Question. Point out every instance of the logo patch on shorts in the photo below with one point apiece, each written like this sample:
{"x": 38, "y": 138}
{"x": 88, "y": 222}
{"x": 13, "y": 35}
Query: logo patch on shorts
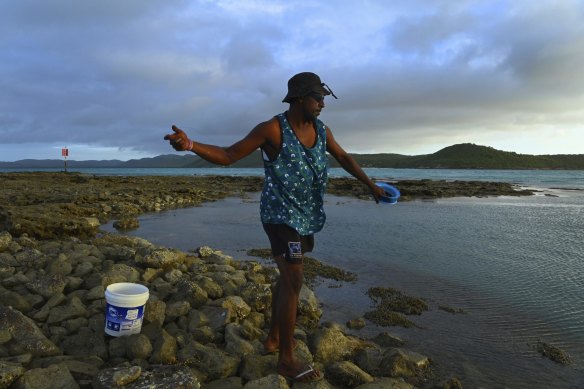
{"x": 294, "y": 250}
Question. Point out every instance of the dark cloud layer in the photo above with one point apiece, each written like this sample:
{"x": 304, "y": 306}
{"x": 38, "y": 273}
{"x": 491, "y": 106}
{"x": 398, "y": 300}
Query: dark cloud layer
{"x": 110, "y": 77}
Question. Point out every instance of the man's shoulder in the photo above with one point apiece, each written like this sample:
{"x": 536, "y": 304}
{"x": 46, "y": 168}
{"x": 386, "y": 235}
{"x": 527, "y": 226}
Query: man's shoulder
{"x": 270, "y": 124}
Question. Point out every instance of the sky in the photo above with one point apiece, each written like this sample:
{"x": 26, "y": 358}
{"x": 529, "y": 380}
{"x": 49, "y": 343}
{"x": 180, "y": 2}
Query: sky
{"x": 107, "y": 79}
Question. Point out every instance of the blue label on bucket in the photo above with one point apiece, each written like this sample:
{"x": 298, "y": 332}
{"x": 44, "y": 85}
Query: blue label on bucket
{"x": 123, "y": 319}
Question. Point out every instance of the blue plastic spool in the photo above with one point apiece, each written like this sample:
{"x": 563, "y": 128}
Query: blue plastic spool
{"x": 392, "y": 193}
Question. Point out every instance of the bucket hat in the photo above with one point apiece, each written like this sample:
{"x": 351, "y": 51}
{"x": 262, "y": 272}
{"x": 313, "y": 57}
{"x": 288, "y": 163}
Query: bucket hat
{"x": 304, "y": 83}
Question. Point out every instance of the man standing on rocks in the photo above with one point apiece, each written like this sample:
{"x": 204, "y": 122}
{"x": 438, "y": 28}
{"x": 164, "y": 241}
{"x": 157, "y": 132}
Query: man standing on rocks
{"x": 294, "y": 146}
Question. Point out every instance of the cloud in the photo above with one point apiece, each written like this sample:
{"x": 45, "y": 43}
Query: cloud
{"x": 410, "y": 76}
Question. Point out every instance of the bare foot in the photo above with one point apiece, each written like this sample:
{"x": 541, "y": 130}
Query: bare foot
{"x": 271, "y": 346}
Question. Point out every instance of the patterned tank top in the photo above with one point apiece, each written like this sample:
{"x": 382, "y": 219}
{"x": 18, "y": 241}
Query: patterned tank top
{"x": 295, "y": 182}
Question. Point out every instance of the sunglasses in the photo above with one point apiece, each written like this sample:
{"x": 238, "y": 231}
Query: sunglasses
{"x": 318, "y": 97}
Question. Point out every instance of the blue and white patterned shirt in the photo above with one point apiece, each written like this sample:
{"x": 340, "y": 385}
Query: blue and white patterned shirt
{"x": 295, "y": 182}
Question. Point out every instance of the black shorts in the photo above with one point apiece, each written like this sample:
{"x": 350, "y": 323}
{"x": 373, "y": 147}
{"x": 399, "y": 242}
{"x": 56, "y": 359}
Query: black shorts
{"x": 287, "y": 242}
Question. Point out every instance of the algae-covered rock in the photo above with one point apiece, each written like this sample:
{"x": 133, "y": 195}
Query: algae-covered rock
{"x": 54, "y": 376}
{"x": 25, "y": 336}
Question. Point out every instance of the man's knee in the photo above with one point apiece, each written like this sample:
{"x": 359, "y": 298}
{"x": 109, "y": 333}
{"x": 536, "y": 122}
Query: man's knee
{"x": 291, "y": 276}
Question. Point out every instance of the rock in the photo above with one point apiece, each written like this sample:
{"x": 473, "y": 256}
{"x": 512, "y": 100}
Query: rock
{"x": 356, "y": 324}
{"x": 55, "y": 376}
{"x": 173, "y": 276}
{"x": 120, "y": 273}
{"x": 9, "y": 373}
{"x": 309, "y": 312}
{"x": 206, "y": 334}
{"x": 197, "y": 319}
{"x": 157, "y": 377}
{"x": 83, "y": 269}
{"x": 225, "y": 383}
{"x": 117, "y": 347}
{"x": 161, "y": 258}
{"x": 177, "y": 309}
{"x": 26, "y": 337}
{"x": 385, "y": 339}
{"x": 155, "y": 312}
{"x": 126, "y": 224}
{"x": 402, "y": 363}
{"x": 204, "y": 251}
{"x": 217, "y": 317}
{"x": 330, "y": 344}
{"x": 74, "y": 309}
{"x": 165, "y": 349}
{"x": 85, "y": 343}
{"x": 274, "y": 381}
{"x": 60, "y": 266}
{"x": 124, "y": 376}
{"x": 235, "y": 344}
{"x": 369, "y": 359}
{"x": 189, "y": 291}
{"x": 386, "y": 383}
{"x": 213, "y": 289}
{"x": 95, "y": 293}
{"x": 48, "y": 285}
{"x": 347, "y": 375}
{"x": 212, "y": 361}
{"x": 5, "y": 336}
{"x": 256, "y": 366}
{"x": 138, "y": 346}
{"x": 237, "y": 309}
{"x": 257, "y": 296}
{"x": 15, "y": 300}
{"x": 5, "y": 239}
{"x": 44, "y": 312}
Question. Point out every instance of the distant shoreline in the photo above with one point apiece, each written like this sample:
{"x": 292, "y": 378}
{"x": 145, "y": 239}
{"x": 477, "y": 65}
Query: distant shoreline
{"x": 460, "y": 156}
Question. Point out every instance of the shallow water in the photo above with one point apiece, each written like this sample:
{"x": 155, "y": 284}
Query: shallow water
{"x": 514, "y": 265}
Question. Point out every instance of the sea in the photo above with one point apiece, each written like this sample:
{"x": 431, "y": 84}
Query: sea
{"x": 513, "y": 267}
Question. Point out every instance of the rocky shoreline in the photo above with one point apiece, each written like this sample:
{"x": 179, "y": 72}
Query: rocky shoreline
{"x": 207, "y": 312}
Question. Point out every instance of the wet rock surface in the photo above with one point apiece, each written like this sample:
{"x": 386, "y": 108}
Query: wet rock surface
{"x": 207, "y": 314}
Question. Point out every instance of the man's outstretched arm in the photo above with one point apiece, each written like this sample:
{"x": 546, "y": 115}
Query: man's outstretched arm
{"x": 350, "y": 165}
{"x": 216, "y": 154}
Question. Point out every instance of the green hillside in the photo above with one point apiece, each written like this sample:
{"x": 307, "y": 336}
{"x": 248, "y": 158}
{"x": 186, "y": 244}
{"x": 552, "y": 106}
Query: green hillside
{"x": 461, "y": 156}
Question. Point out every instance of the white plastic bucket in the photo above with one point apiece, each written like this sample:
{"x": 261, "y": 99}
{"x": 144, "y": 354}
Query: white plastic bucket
{"x": 124, "y": 308}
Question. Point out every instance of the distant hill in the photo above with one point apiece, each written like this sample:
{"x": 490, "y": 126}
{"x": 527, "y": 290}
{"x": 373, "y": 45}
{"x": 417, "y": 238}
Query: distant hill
{"x": 460, "y": 156}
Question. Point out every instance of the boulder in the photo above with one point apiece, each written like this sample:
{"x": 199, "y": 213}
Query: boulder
{"x": 236, "y": 307}
{"x": 234, "y": 342}
{"x": 347, "y": 375}
{"x": 160, "y": 258}
{"x": 256, "y": 366}
{"x": 165, "y": 349}
{"x": 212, "y": 361}
{"x": 5, "y": 240}
{"x": 9, "y": 373}
{"x": 48, "y": 285}
{"x": 25, "y": 336}
{"x": 309, "y": 312}
{"x": 138, "y": 346}
{"x": 156, "y": 377}
{"x": 74, "y": 309}
{"x": 330, "y": 344}
{"x": 257, "y": 296}
{"x": 274, "y": 381}
{"x": 190, "y": 291}
{"x": 402, "y": 363}
{"x": 120, "y": 272}
{"x": 54, "y": 376}
{"x": 386, "y": 383}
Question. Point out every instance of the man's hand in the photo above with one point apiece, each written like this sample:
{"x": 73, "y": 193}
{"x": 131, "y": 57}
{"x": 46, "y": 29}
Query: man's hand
{"x": 377, "y": 192}
{"x": 179, "y": 140}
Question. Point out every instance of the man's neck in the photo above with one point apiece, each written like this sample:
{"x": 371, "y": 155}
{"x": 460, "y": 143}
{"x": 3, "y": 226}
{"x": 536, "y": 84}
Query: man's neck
{"x": 297, "y": 118}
